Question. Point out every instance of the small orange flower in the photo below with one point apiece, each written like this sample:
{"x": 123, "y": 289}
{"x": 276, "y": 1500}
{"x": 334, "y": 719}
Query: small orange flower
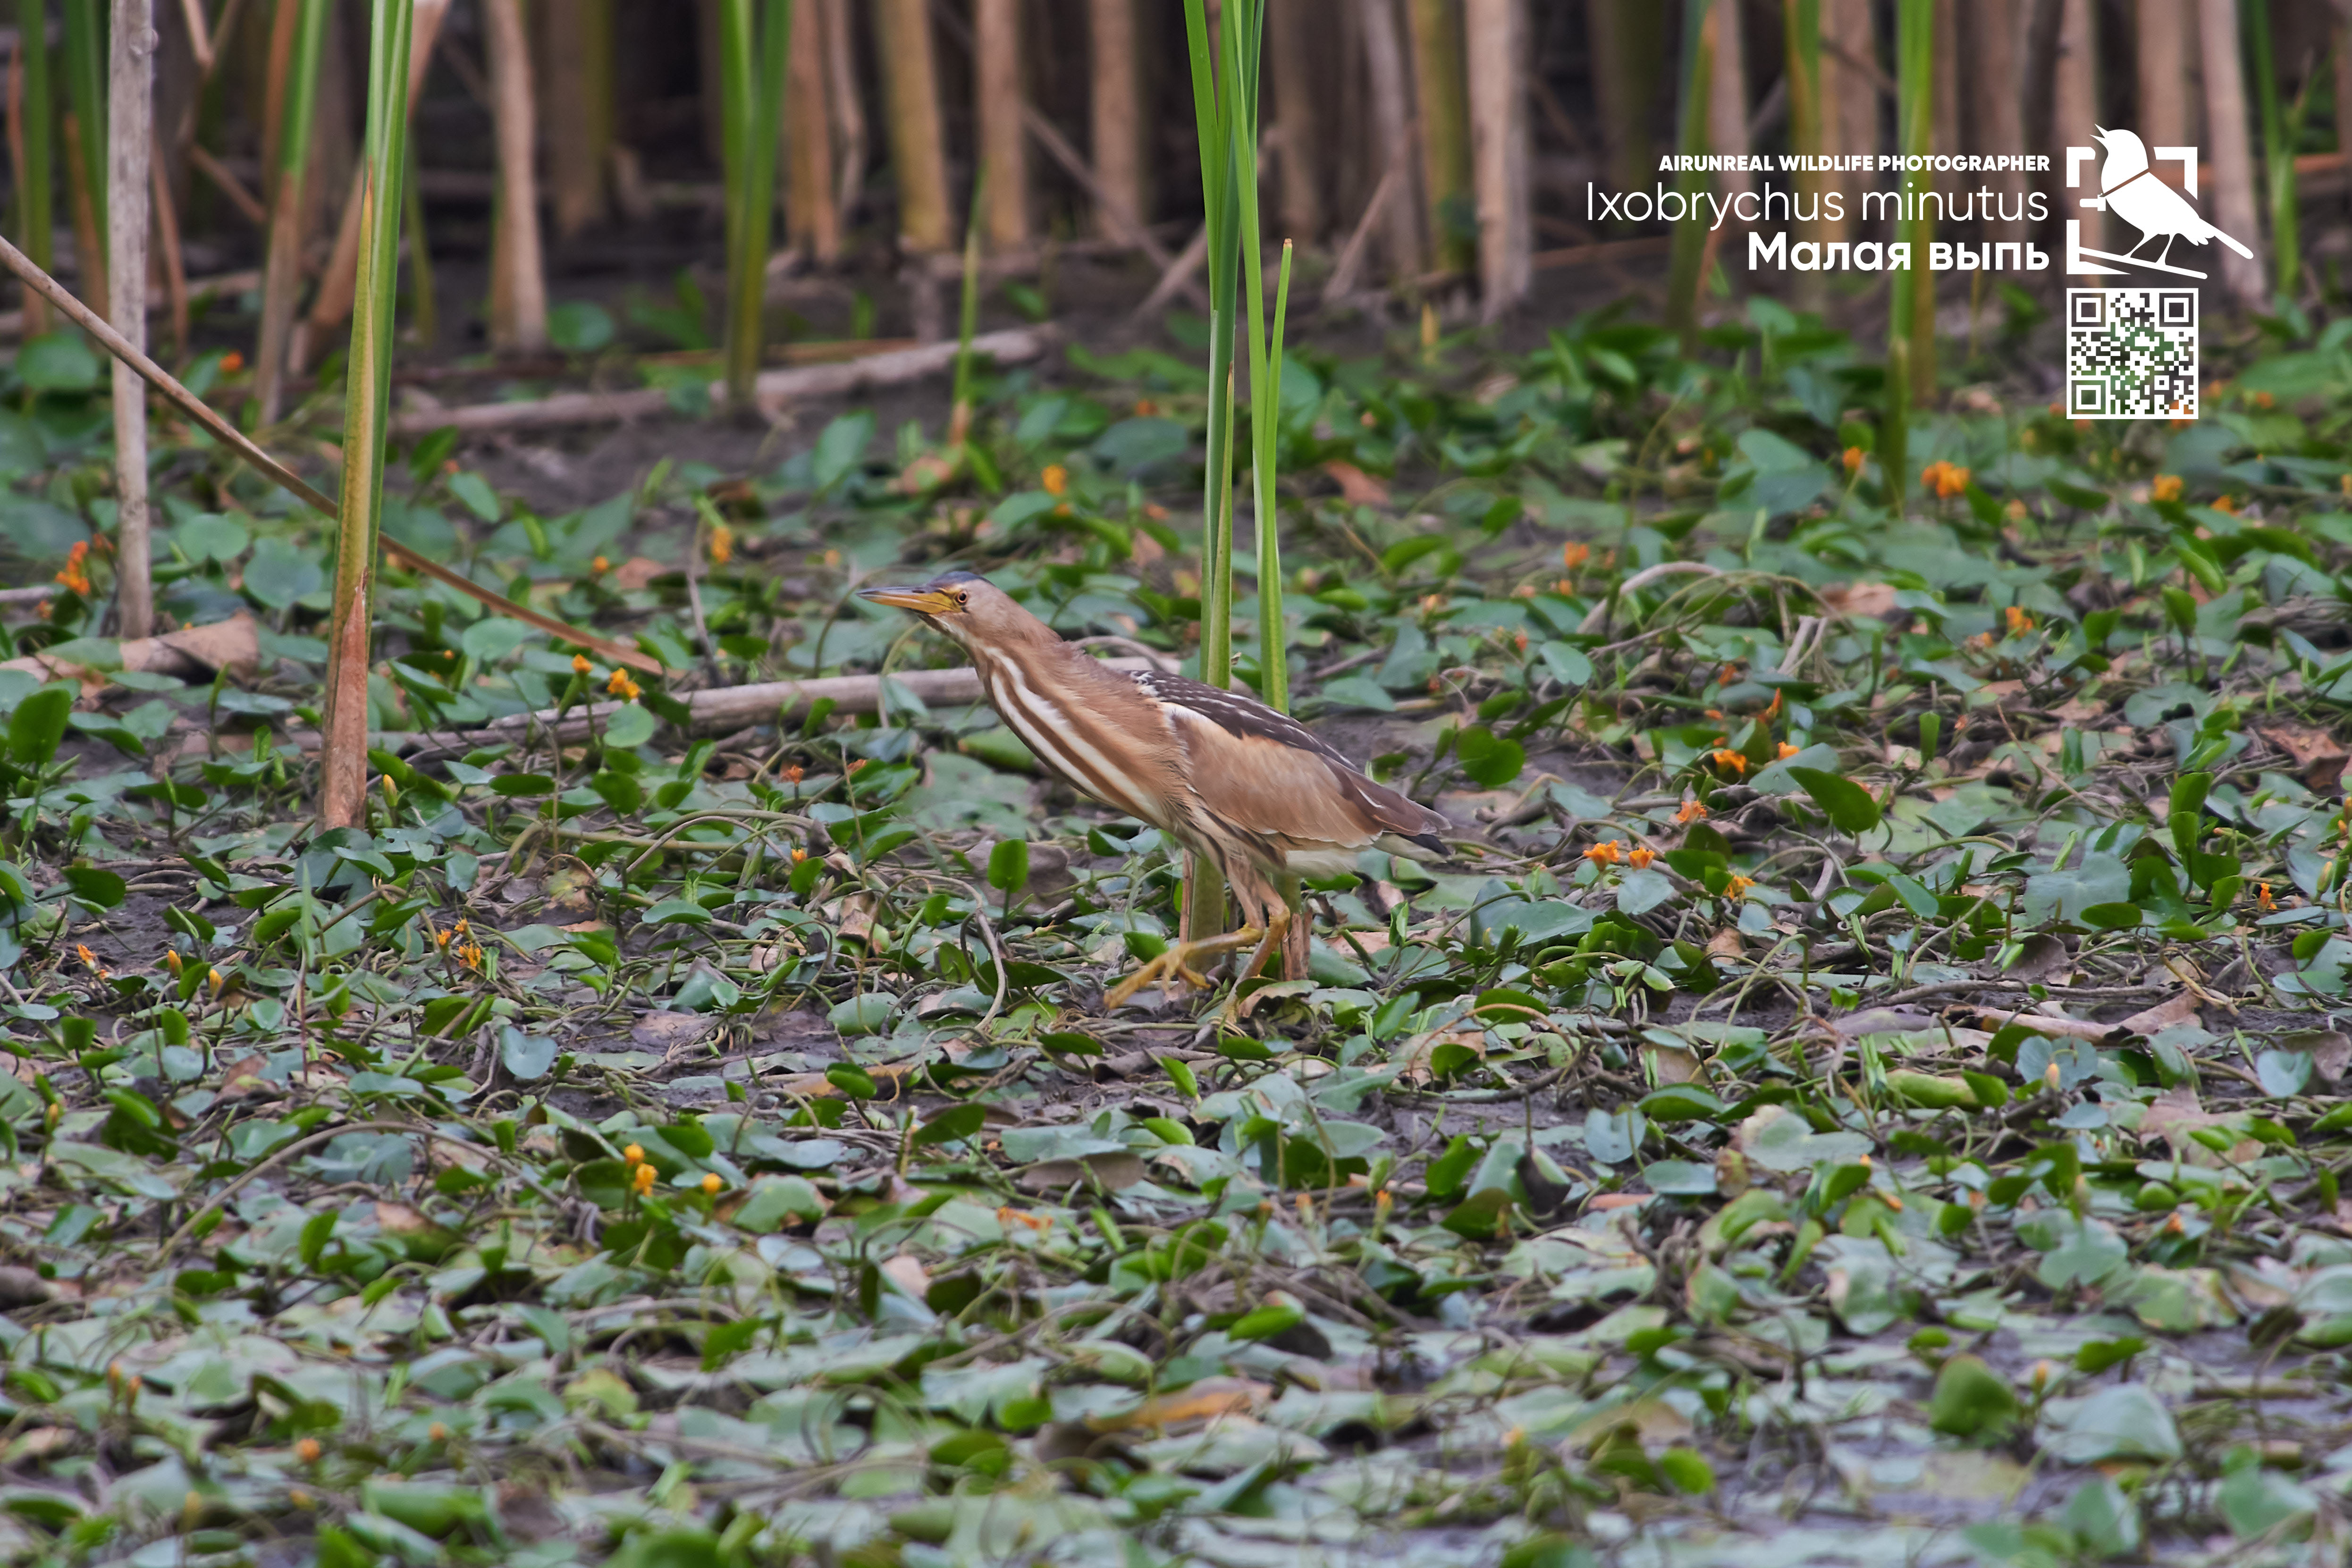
{"x": 1640, "y": 856}
{"x": 1725, "y": 757}
{"x": 579, "y": 665}
{"x": 722, "y": 544}
{"x": 1726, "y": 675}
{"x": 622, "y": 687}
{"x": 1788, "y": 749}
{"x": 1034, "y": 1222}
{"x": 642, "y": 1179}
{"x": 1575, "y": 554}
{"x": 75, "y": 574}
{"x": 600, "y": 566}
{"x": 2227, "y": 504}
{"x": 89, "y": 959}
{"x": 2263, "y": 900}
{"x": 799, "y": 856}
{"x": 1604, "y": 853}
{"x": 794, "y": 774}
{"x": 1055, "y": 479}
{"x": 231, "y": 362}
{"x": 1946, "y": 479}
{"x": 634, "y": 1153}
{"x": 436, "y": 1432}
{"x": 711, "y": 1184}
{"x": 2020, "y": 623}
{"x": 308, "y": 1450}
{"x": 2166, "y": 486}
{"x": 1854, "y": 460}
{"x": 1693, "y": 810}
{"x": 1736, "y": 886}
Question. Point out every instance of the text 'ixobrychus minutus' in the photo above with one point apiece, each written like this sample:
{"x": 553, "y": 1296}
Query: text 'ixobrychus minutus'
{"x": 1257, "y": 796}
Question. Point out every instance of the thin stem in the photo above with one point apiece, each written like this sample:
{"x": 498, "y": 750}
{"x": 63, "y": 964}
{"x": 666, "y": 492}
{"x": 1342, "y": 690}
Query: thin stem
{"x": 32, "y": 118}
{"x": 366, "y": 420}
{"x": 281, "y": 280}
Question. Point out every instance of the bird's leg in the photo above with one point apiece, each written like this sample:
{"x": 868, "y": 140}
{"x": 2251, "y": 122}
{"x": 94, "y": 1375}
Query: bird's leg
{"x": 1181, "y": 961}
{"x": 1298, "y": 940}
{"x": 1277, "y": 927}
{"x": 2164, "y": 254}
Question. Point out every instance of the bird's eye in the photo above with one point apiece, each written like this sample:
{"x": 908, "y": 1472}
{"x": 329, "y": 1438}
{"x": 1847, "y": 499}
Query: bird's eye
{"x": 964, "y": 601}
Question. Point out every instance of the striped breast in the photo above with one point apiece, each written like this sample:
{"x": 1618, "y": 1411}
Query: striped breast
{"x": 1085, "y": 751}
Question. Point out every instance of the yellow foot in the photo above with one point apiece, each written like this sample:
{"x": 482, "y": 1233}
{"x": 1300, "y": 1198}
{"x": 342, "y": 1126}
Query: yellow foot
{"x": 1238, "y": 1006}
{"x": 1180, "y": 962}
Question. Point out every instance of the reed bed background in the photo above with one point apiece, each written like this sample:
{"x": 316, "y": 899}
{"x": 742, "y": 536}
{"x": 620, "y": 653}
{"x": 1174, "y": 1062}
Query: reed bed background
{"x": 321, "y": 187}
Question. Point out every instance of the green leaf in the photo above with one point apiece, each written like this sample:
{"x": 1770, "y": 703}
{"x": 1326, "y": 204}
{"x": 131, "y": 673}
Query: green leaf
{"x": 2183, "y": 814}
{"x": 1971, "y": 1401}
{"x": 37, "y": 725}
{"x": 96, "y": 887}
{"x": 1489, "y": 759}
{"x": 952, "y": 1125}
{"x": 1008, "y": 867}
{"x": 525, "y": 1056}
{"x": 851, "y": 1080}
{"x": 1849, "y": 805}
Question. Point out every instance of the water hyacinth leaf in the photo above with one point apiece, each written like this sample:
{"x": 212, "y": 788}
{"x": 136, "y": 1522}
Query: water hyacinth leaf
{"x": 1849, "y": 805}
{"x": 526, "y": 1055}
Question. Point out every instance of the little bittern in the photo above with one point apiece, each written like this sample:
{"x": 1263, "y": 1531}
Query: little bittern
{"x": 1258, "y": 796}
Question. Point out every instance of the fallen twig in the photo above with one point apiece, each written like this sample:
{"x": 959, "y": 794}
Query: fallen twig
{"x": 564, "y": 409}
{"x": 733, "y": 707}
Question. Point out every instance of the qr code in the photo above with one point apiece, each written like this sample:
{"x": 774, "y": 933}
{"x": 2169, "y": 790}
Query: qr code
{"x": 2131, "y": 353}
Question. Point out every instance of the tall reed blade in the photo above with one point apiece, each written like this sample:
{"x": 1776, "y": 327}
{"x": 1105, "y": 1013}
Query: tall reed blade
{"x": 1913, "y": 293}
{"x": 281, "y": 274}
{"x": 1265, "y": 435}
{"x": 2278, "y": 149}
{"x": 85, "y": 139}
{"x": 1224, "y": 111}
{"x": 31, "y": 120}
{"x": 366, "y": 420}
{"x": 756, "y": 41}
{"x": 968, "y": 315}
{"x": 1686, "y": 260}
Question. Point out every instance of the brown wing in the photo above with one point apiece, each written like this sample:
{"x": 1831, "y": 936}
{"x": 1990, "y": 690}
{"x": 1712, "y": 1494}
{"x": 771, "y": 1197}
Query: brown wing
{"x": 1269, "y": 774}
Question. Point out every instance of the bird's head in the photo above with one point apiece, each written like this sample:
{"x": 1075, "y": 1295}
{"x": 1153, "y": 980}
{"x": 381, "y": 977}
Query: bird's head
{"x": 2124, "y": 147}
{"x": 963, "y": 606}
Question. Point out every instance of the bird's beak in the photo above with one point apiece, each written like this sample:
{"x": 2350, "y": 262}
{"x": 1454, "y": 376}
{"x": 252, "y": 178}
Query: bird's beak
{"x": 2100, "y": 136}
{"x": 922, "y": 601}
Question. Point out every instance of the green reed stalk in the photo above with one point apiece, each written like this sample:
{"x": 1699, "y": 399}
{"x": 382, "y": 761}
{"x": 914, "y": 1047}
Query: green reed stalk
{"x": 366, "y": 418}
{"x": 1689, "y": 253}
{"x": 1226, "y": 113}
{"x": 35, "y": 121}
{"x": 84, "y": 68}
{"x": 2278, "y": 148}
{"x": 968, "y": 314}
{"x": 756, "y": 56}
{"x": 281, "y": 277}
{"x": 1911, "y": 322}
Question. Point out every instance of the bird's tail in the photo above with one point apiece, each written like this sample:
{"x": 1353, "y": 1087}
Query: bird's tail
{"x": 2231, "y": 243}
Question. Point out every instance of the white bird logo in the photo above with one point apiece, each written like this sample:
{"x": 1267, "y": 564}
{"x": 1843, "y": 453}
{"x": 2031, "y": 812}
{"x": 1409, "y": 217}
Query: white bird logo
{"x": 2129, "y": 187}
